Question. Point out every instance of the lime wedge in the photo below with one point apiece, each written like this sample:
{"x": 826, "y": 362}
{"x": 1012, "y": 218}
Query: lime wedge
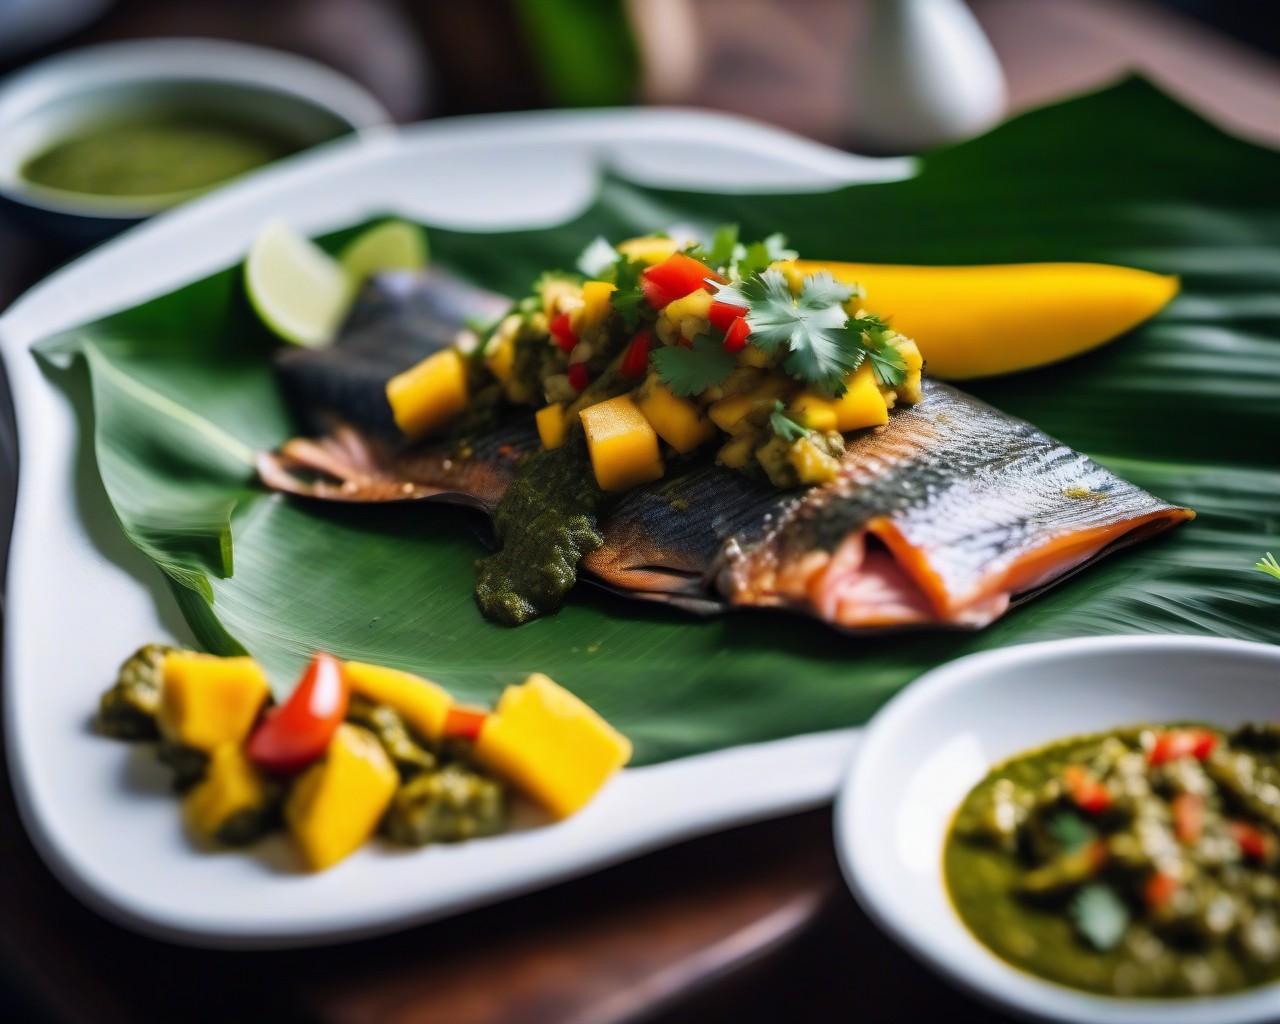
{"x": 392, "y": 245}
{"x": 300, "y": 291}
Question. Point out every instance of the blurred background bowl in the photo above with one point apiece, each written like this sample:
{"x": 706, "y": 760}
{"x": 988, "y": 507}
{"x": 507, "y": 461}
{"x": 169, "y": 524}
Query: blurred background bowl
{"x": 279, "y": 95}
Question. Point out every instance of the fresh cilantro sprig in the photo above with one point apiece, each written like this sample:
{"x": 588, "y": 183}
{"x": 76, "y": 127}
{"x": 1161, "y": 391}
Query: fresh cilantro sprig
{"x": 690, "y": 371}
{"x": 784, "y": 426}
{"x": 1269, "y": 565}
{"x": 624, "y": 275}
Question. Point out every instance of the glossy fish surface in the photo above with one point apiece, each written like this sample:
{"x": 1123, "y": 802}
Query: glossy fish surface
{"x": 944, "y": 517}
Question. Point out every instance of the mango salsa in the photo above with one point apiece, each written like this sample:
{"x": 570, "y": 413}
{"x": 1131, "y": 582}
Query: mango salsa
{"x": 595, "y": 303}
{"x": 422, "y": 704}
{"x": 550, "y": 744}
{"x": 206, "y": 701}
{"x": 337, "y": 803}
{"x": 862, "y": 404}
{"x": 427, "y": 396}
{"x": 623, "y": 445}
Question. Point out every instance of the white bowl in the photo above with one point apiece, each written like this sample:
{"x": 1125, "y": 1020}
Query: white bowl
{"x": 295, "y": 98}
{"x": 929, "y": 746}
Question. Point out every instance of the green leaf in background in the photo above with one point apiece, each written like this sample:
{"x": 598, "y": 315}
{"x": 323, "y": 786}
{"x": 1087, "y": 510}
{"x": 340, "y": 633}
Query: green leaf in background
{"x": 584, "y": 49}
{"x": 1186, "y": 406}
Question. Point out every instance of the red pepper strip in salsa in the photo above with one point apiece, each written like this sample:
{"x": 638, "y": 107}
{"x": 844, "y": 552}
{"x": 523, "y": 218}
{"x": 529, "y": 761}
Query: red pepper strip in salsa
{"x": 464, "y": 723}
{"x": 562, "y": 331}
{"x": 636, "y": 360}
{"x": 579, "y": 378}
{"x": 1085, "y": 791}
{"x": 735, "y": 339}
{"x": 1174, "y": 743}
{"x": 723, "y": 314}
{"x": 674, "y": 278}
{"x": 298, "y": 732}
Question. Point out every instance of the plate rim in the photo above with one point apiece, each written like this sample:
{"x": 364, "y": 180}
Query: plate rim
{"x": 71, "y": 296}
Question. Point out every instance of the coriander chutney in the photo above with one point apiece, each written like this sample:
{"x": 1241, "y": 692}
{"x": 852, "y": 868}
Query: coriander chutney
{"x": 167, "y": 153}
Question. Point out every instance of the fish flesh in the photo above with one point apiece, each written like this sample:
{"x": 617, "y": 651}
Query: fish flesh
{"x": 945, "y": 517}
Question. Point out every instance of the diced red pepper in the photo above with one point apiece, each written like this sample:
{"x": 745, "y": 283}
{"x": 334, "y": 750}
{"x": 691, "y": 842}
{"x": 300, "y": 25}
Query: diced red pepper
{"x": 1253, "y": 842}
{"x": 1188, "y": 817}
{"x": 298, "y": 732}
{"x": 635, "y": 362}
{"x": 674, "y": 278}
{"x": 1085, "y": 791}
{"x": 723, "y": 314}
{"x": 1159, "y": 890}
{"x": 579, "y": 378}
{"x": 1172, "y": 744}
{"x": 464, "y": 723}
{"x": 735, "y": 339}
{"x": 562, "y": 331}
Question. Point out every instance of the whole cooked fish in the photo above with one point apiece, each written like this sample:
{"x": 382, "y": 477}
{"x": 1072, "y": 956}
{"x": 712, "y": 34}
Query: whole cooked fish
{"x": 946, "y": 516}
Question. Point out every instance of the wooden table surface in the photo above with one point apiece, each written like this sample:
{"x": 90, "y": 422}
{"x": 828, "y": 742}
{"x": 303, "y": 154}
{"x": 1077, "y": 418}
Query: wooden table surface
{"x": 750, "y": 924}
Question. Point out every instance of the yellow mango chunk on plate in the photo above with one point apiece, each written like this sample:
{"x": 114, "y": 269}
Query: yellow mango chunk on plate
{"x": 678, "y": 421}
{"x": 551, "y": 745}
{"x": 623, "y": 446}
{"x": 427, "y": 396}
{"x": 552, "y": 425}
{"x": 232, "y": 787}
{"x": 336, "y": 804}
{"x": 206, "y": 701}
{"x": 984, "y": 321}
{"x": 422, "y": 704}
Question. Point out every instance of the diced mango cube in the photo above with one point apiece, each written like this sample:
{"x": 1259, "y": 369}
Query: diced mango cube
{"x": 678, "y": 421}
{"x": 862, "y": 404}
{"x": 337, "y": 803}
{"x": 648, "y": 249}
{"x": 737, "y": 453}
{"x": 623, "y": 446}
{"x": 500, "y": 353}
{"x": 551, "y": 745}
{"x": 909, "y": 390}
{"x": 552, "y": 425}
{"x": 232, "y": 801}
{"x": 427, "y": 396}
{"x": 812, "y": 464}
{"x": 206, "y": 701}
{"x": 815, "y": 411}
{"x": 595, "y": 303}
{"x": 422, "y": 704}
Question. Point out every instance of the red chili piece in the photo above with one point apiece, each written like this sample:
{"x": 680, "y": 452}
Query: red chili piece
{"x": 1086, "y": 791}
{"x": 636, "y": 360}
{"x": 298, "y": 732}
{"x": 1174, "y": 743}
{"x": 1253, "y": 842}
{"x": 464, "y": 723}
{"x": 674, "y": 278}
{"x": 1159, "y": 890}
{"x": 562, "y": 331}
{"x": 579, "y": 378}
{"x": 735, "y": 339}
{"x": 723, "y": 314}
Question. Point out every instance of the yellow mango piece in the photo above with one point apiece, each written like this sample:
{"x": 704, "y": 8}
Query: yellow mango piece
{"x": 678, "y": 421}
{"x": 206, "y": 701}
{"x": 648, "y": 248}
{"x": 427, "y": 396}
{"x": 812, "y": 410}
{"x": 812, "y": 465}
{"x": 623, "y": 446}
{"x": 551, "y": 745}
{"x": 737, "y": 453}
{"x": 862, "y": 404}
{"x": 982, "y": 321}
{"x": 595, "y": 303}
{"x": 336, "y": 804}
{"x": 232, "y": 787}
{"x": 422, "y": 704}
{"x": 500, "y": 355}
{"x": 552, "y": 425}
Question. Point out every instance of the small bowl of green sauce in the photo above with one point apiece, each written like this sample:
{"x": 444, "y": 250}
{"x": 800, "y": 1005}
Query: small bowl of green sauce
{"x": 95, "y": 140}
{"x": 1081, "y": 830}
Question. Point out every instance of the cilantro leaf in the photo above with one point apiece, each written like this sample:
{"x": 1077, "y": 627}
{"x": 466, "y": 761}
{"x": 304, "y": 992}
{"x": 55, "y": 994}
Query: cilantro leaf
{"x": 886, "y": 362}
{"x": 723, "y": 244}
{"x": 597, "y": 257}
{"x": 784, "y": 426}
{"x": 1071, "y": 832}
{"x": 1269, "y": 565}
{"x": 1100, "y": 915}
{"x": 690, "y": 371}
{"x": 628, "y": 297}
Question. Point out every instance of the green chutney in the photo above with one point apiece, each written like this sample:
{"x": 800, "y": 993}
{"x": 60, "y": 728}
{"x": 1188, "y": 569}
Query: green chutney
{"x": 155, "y": 156}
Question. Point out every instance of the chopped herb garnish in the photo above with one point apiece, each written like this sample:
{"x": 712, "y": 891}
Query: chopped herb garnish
{"x": 784, "y": 426}
{"x": 887, "y": 362}
{"x": 724, "y": 245}
{"x": 1269, "y": 565}
{"x": 690, "y": 371}
{"x": 1071, "y": 832}
{"x": 1100, "y": 915}
{"x": 628, "y": 297}
{"x": 597, "y": 257}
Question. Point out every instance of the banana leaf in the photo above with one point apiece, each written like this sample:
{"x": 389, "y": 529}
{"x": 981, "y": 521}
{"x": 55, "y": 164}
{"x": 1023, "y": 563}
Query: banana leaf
{"x": 1187, "y": 406}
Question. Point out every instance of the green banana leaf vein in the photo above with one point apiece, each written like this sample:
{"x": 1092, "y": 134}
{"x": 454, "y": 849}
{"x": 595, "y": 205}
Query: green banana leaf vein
{"x": 1187, "y": 406}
